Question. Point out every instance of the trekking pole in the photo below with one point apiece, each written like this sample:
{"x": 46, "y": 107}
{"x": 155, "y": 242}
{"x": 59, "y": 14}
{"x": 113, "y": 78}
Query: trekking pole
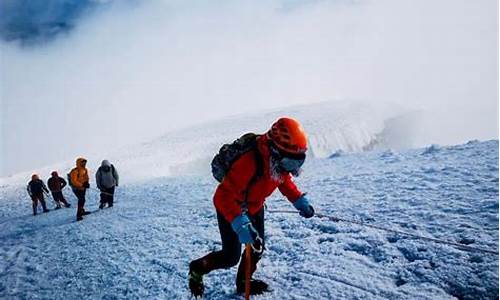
{"x": 248, "y": 264}
{"x": 413, "y": 235}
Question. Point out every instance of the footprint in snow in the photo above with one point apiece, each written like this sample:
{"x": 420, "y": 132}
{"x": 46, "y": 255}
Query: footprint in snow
{"x": 467, "y": 241}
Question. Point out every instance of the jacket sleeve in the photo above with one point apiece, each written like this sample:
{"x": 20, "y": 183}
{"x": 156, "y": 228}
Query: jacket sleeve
{"x": 28, "y": 188}
{"x": 50, "y": 183}
{"x": 115, "y": 174}
{"x": 44, "y": 187}
{"x": 230, "y": 193}
{"x": 98, "y": 178}
{"x": 63, "y": 182}
{"x": 74, "y": 179}
{"x": 86, "y": 178}
{"x": 289, "y": 189}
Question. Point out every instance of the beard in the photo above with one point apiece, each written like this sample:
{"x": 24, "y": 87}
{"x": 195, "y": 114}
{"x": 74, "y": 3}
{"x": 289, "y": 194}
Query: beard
{"x": 275, "y": 170}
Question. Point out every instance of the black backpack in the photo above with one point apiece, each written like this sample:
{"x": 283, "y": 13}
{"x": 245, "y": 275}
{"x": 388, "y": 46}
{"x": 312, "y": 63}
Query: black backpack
{"x": 229, "y": 153}
{"x": 69, "y": 179}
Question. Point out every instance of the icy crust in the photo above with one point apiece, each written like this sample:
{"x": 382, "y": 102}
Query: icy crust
{"x": 140, "y": 249}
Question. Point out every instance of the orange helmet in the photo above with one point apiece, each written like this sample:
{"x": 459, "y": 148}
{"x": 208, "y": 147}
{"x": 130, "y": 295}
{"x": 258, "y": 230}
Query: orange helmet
{"x": 288, "y": 136}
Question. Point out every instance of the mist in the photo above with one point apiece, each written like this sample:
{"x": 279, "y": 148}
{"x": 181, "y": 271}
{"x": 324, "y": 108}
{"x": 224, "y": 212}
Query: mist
{"x": 129, "y": 71}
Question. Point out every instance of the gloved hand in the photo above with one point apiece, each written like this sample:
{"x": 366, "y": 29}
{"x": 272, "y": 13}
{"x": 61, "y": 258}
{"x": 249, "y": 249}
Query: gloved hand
{"x": 86, "y": 185}
{"x": 304, "y": 207}
{"x": 244, "y": 229}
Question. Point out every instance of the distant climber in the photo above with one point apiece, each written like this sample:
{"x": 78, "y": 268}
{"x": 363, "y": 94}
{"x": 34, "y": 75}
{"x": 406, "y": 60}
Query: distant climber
{"x": 79, "y": 182}
{"x": 106, "y": 180}
{"x": 56, "y": 185}
{"x": 252, "y": 176}
{"x": 36, "y": 189}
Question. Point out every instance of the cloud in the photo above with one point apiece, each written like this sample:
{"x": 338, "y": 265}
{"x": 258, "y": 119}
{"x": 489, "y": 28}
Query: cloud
{"x": 134, "y": 70}
{"x": 37, "y": 22}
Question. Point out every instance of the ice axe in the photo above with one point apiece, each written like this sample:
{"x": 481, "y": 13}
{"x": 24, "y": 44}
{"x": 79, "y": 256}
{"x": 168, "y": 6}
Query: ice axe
{"x": 248, "y": 265}
{"x": 258, "y": 247}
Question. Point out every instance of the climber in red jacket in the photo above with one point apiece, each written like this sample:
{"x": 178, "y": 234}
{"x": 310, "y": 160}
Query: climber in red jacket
{"x": 239, "y": 201}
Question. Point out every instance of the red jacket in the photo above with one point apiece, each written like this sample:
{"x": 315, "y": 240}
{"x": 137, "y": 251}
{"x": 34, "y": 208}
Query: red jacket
{"x": 230, "y": 193}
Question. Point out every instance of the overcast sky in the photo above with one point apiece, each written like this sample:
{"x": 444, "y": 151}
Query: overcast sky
{"x": 81, "y": 77}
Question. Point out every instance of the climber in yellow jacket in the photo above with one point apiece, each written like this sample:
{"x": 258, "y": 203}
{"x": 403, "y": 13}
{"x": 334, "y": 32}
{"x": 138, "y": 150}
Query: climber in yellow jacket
{"x": 79, "y": 182}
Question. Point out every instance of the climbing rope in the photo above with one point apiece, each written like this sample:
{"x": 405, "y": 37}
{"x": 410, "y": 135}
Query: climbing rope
{"x": 361, "y": 223}
{"x": 99, "y": 191}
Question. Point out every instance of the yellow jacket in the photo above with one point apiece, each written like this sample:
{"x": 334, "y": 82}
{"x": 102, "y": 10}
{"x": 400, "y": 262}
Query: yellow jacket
{"x": 79, "y": 175}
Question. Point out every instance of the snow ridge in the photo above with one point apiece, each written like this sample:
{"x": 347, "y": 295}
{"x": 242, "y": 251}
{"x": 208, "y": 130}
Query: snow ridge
{"x": 340, "y": 126}
{"x": 331, "y": 126}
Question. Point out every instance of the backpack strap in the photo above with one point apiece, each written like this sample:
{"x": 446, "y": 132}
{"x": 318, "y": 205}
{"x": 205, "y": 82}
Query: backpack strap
{"x": 259, "y": 171}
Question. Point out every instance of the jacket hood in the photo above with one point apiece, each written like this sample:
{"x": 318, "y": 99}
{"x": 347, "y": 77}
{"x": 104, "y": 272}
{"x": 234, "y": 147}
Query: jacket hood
{"x": 105, "y": 163}
{"x": 80, "y": 161}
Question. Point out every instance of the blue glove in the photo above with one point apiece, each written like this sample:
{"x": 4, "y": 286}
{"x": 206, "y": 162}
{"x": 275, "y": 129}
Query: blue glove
{"x": 302, "y": 205}
{"x": 244, "y": 229}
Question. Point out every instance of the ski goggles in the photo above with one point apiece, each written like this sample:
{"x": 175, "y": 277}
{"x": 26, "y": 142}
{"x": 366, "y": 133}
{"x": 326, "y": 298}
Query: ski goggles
{"x": 291, "y": 164}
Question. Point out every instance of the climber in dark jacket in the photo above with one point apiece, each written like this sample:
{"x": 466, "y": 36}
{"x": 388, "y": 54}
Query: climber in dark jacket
{"x": 36, "y": 188}
{"x": 56, "y": 184}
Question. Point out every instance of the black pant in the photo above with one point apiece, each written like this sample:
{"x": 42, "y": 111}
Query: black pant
{"x": 107, "y": 196}
{"x": 38, "y": 197}
{"x": 231, "y": 249}
{"x": 59, "y": 198}
{"x": 80, "y": 194}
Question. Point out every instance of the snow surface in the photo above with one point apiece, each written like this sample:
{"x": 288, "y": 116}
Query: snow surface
{"x": 140, "y": 249}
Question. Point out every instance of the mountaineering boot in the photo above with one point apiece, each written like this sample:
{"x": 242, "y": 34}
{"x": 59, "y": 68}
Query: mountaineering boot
{"x": 257, "y": 287}
{"x": 101, "y": 206}
{"x": 79, "y": 218}
{"x": 86, "y": 212}
{"x": 196, "y": 283}
{"x": 67, "y": 205}
{"x": 57, "y": 207}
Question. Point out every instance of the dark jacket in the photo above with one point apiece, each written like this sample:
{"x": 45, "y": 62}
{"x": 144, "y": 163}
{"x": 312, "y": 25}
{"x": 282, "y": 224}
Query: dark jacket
{"x": 56, "y": 184}
{"x": 36, "y": 187}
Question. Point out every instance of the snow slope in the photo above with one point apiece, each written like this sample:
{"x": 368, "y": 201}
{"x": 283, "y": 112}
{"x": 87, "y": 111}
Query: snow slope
{"x": 349, "y": 126}
{"x": 140, "y": 249}
{"x": 331, "y": 126}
